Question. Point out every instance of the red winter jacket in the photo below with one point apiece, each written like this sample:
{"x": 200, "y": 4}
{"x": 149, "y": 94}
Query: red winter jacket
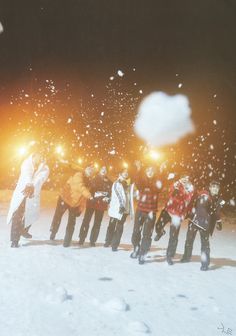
{"x": 179, "y": 200}
{"x": 148, "y": 194}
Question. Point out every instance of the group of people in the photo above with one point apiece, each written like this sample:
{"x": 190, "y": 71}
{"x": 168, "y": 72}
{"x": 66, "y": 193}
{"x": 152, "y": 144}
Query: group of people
{"x": 93, "y": 193}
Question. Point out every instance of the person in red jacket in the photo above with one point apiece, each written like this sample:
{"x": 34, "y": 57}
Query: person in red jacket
{"x": 145, "y": 216}
{"x": 101, "y": 192}
{"x": 180, "y": 196}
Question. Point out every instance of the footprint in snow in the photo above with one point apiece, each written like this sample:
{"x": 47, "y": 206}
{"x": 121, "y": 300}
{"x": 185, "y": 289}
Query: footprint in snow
{"x": 138, "y": 328}
{"x": 116, "y": 305}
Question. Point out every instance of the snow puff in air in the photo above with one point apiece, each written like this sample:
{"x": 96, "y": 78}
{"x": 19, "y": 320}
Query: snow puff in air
{"x": 1, "y": 28}
{"x": 232, "y": 202}
{"x": 176, "y": 220}
{"x": 120, "y": 73}
{"x": 163, "y": 119}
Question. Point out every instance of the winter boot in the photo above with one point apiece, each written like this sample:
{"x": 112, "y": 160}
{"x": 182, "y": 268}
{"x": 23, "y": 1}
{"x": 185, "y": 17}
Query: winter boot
{"x": 52, "y": 236}
{"x": 141, "y": 259}
{"x": 159, "y": 235}
{"x": 169, "y": 261}
{"x": 114, "y": 249}
{"x": 25, "y": 232}
{"x": 15, "y": 244}
{"x": 135, "y": 253}
{"x": 92, "y": 244}
{"x": 204, "y": 267}
{"x": 106, "y": 244}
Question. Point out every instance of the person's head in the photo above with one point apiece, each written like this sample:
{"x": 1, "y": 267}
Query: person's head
{"x": 150, "y": 172}
{"x": 89, "y": 171}
{"x": 124, "y": 174}
{"x": 103, "y": 171}
{"x": 214, "y": 188}
{"x": 185, "y": 178}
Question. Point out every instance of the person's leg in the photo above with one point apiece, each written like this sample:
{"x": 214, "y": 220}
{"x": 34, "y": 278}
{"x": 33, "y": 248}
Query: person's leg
{"x": 70, "y": 227}
{"x": 136, "y": 236}
{"x": 118, "y": 233}
{"x": 17, "y": 224}
{"x": 59, "y": 212}
{"x": 96, "y": 226}
{"x": 147, "y": 236}
{"x": 205, "y": 250}
{"x": 110, "y": 231}
{"x": 190, "y": 237}
{"x": 173, "y": 242}
{"x": 163, "y": 219}
{"x": 85, "y": 225}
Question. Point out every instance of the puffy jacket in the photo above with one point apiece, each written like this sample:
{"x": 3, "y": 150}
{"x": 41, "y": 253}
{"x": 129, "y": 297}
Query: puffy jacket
{"x": 179, "y": 200}
{"x": 76, "y": 191}
{"x": 99, "y": 185}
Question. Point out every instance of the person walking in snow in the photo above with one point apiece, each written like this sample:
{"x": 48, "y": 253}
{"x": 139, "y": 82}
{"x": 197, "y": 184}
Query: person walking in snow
{"x": 73, "y": 198}
{"x": 25, "y": 203}
{"x": 180, "y": 196}
{"x": 100, "y": 191}
{"x": 205, "y": 215}
{"x": 119, "y": 209}
{"x": 148, "y": 187}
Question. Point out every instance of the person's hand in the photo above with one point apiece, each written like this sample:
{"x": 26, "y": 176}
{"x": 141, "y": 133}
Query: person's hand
{"x": 28, "y": 191}
{"x": 122, "y": 210}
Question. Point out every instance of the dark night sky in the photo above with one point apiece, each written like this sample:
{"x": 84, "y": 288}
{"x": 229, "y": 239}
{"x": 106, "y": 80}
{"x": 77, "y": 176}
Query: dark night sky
{"x": 85, "y": 42}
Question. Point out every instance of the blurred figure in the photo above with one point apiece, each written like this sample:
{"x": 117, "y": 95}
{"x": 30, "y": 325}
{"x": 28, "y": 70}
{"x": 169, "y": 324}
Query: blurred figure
{"x": 119, "y": 209}
{"x": 205, "y": 215}
{"x": 25, "y": 203}
{"x": 101, "y": 191}
{"x": 73, "y": 198}
{"x": 180, "y": 196}
{"x": 148, "y": 187}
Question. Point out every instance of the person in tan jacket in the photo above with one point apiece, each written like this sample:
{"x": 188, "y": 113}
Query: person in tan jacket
{"x": 73, "y": 197}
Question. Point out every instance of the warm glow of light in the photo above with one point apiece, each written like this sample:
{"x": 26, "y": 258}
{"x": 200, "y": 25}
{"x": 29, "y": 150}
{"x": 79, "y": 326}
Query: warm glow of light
{"x": 22, "y": 151}
{"x": 110, "y": 167}
{"x": 96, "y": 165}
{"x": 80, "y": 161}
{"x": 125, "y": 165}
{"x": 60, "y": 151}
{"x": 154, "y": 155}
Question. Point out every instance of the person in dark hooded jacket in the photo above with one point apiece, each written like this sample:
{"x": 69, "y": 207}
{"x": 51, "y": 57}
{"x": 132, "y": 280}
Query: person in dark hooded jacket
{"x": 204, "y": 217}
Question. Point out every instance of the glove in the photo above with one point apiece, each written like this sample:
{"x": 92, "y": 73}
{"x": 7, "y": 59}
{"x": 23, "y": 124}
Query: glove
{"x": 28, "y": 191}
{"x": 106, "y": 199}
{"x": 219, "y": 225}
{"x": 122, "y": 210}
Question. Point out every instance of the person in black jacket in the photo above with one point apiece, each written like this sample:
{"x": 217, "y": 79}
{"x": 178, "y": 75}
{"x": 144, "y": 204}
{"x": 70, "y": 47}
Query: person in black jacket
{"x": 101, "y": 192}
{"x": 204, "y": 217}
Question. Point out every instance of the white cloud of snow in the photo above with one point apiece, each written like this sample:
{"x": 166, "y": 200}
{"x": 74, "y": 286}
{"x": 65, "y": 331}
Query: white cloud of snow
{"x": 163, "y": 119}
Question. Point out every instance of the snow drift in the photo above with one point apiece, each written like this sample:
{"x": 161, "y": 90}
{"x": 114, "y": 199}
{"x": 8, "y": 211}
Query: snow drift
{"x": 163, "y": 119}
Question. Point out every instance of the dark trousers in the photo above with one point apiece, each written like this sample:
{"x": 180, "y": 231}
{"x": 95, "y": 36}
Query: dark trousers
{"x": 96, "y": 225}
{"x": 18, "y": 222}
{"x": 163, "y": 219}
{"x": 59, "y": 212}
{"x": 114, "y": 231}
{"x": 205, "y": 245}
{"x": 142, "y": 232}
{"x": 173, "y": 240}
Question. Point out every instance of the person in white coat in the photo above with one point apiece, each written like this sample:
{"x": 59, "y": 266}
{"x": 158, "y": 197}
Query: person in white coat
{"x": 119, "y": 209}
{"x": 25, "y": 203}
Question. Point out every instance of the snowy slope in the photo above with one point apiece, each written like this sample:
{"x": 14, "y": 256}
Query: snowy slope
{"x": 47, "y": 290}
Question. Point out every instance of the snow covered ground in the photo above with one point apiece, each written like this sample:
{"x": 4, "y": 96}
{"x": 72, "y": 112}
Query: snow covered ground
{"x": 48, "y": 290}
